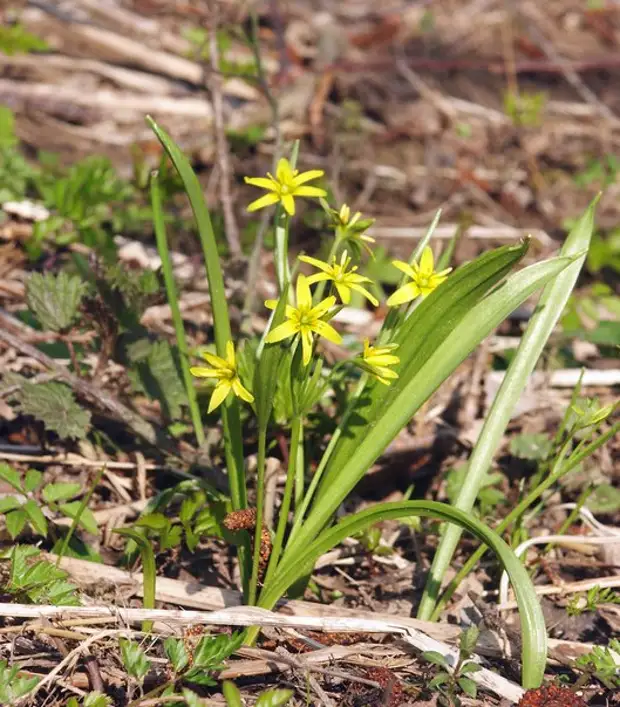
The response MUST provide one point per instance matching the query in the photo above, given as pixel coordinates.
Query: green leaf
(192, 699)
(39, 583)
(157, 372)
(470, 667)
(533, 629)
(468, 686)
(438, 680)
(435, 658)
(231, 694)
(176, 653)
(60, 491)
(15, 522)
(531, 446)
(9, 503)
(468, 640)
(134, 659)
(16, 39)
(8, 138)
(54, 404)
(36, 517)
(11, 477)
(274, 698)
(605, 499)
(149, 570)
(32, 480)
(212, 650)
(13, 685)
(55, 299)
(96, 699)
(87, 519)
(153, 521)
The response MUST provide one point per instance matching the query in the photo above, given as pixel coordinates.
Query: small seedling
(591, 600)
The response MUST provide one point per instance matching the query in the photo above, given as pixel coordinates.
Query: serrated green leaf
(212, 650)
(153, 521)
(36, 517)
(157, 372)
(11, 477)
(32, 480)
(87, 519)
(96, 699)
(13, 685)
(435, 658)
(55, 299)
(200, 676)
(9, 503)
(15, 522)
(274, 698)
(54, 404)
(59, 491)
(134, 659)
(176, 653)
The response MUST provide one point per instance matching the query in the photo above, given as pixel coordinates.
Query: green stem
(559, 470)
(283, 272)
(78, 515)
(260, 513)
(296, 435)
(175, 311)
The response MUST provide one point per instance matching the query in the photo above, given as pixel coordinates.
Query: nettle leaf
(55, 299)
(274, 698)
(15, 522)
(9, 503)
(32, 480)
(35, 516)
(60, 491)
(87, 519)
(13, 685)
(134, 659)
(11, 477)
(55, 405)
(531, 446)
(96, 699)
(156, 372)
(39, 582)
(176, 653)
(209, 654)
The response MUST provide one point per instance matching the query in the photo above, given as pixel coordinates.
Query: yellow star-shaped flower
(285, 186)
(423, 276)
(305, 320)
(225, 371)
(344, 280)
(377, 360)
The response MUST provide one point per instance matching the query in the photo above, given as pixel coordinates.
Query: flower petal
(219, 394)
(404, 267)
(427, 262)
(241, 392)
(362, 290)
(310, 191)
(307, 176)
(320, 264)
(289, 204)
(202, 372)
(322, 307)
(304, 297)
(404, 294)
(306, 345)
(344, 291)
(283, 331)
(214, 360)
(266, 200)
(230, 355)
(327, 331)
(284, 171)
(318, 277)
(262, 182)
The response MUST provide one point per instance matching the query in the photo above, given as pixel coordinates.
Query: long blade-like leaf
(533, 630)
(550, 306)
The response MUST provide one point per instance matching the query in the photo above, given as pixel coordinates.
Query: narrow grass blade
(149, 570)
(550, 306)
(533, 629)
(173, 301)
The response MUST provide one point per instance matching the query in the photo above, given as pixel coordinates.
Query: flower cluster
(308, 319)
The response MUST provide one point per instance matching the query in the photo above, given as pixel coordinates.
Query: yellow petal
(327, 331)
(306, 346)
(261, 182)
(202, 372)
(344, 291)
(404, 294)
(320, 264)
(283, 331)
(230, 354)
(404, 267)
(307, 176)
(266, 200)
(364, 291)
(310, 191)
(304, 297)
(382, 359)
(219, 394)
(289, 204)
(271, 303)
(284, 172)
(214, 360)
(241, 392)
(322, 307)
(427, 262)
(318, 277)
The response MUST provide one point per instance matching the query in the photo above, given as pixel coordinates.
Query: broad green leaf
(212, 650)
(533, 629)
(54, 404)
(274, 698)
(32, 480)
(605, 499)
(13, 684)
(36, 517)
(9, 503)
(96, 699)
(60, 491)
(55, 299)
(153, 521)
(231, 694)
(468, 686)
(12, 477)
(15, 522)
(435, 658)
(176, 653)
(531, 446)
(134, 659)
(86, 518)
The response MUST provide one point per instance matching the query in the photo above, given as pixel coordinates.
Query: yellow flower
(350, 229)
(423, 276)
(376, 361)
(305, 320)
(286, 185)
(225, 371)
(344, 280)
